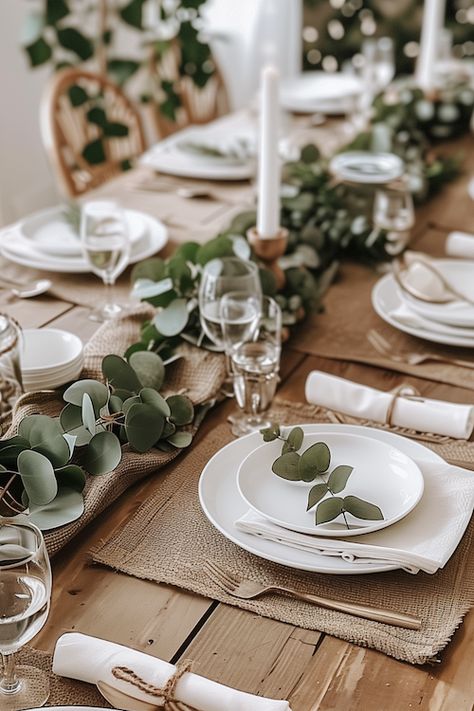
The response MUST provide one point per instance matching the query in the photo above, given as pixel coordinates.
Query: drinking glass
(384, 62)
(11, 381)
(394, 212)
(106, 247)
(219, 277)
(255, 364)
(25, 592)
(239, 315)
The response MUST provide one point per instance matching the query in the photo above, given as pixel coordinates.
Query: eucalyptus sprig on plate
(314, 463)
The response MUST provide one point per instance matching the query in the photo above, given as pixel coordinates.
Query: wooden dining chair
(90, 130)
(198, 105)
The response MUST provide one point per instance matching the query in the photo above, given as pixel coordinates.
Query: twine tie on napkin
(165, 694)
(404, 390)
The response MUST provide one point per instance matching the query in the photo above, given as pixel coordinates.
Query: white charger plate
(223, 505)
(382, 474)
(367, 167)
(309, 92)
(386, 299)
(154, 239)
(458, 272)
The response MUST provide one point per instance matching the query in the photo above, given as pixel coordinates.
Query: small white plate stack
(50, 358)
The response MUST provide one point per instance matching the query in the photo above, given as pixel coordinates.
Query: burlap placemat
(169, 537)
(63, 691)
(340, 333)
(199, 374)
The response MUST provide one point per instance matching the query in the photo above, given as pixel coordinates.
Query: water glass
(106, 247)
(11, 381)
(395, 213)
(25, 593)
(255, 364)
(219, 277)
(239, 315)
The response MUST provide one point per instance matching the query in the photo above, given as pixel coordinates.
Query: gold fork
(384, 348)
(249, 589)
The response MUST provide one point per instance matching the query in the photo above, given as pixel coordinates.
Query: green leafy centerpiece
(314, 463)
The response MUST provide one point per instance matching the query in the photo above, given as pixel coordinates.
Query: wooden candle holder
(270, 250)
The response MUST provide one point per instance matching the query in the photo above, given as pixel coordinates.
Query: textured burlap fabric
(169, 537)
(199, 374)
(62, 691)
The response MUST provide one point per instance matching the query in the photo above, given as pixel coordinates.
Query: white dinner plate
(382, 474)
(386, 299)
(20, 251)
(460, 273)
(367, 167)
(310, 91)
(223, 505)
(50, 231)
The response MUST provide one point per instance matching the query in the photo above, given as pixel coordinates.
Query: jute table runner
(199, 374)
(169, 537)
(340, 332)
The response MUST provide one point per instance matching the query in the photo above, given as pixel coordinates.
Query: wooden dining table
(233, 646)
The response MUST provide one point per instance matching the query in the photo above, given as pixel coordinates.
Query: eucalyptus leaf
(103, 454)
(270, 433)
(316, 493)
(362, 509)
(173, 319)
(168, 429)
(88, 414)
(180, 439)
(71, 443)
(144, 426)
(129, 403)
(295, 438)
(115, 404)
(329, 509)
(71, 422)
(146, 288)
(182, 410)
(149, 396)
(71, 476)
(45, 436)
(120, 374)
(149, 369)
(314, 460)
(97, 392)
(37, 475)
(286, 466)
(66, 507)
(339, 478)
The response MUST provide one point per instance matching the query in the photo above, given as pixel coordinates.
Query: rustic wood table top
(232, 646)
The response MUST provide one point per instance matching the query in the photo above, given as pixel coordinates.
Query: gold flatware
(120, 700)
(249, 589)
(451, 294)
(385, 348)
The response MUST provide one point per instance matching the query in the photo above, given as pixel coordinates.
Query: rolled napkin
(417, 413)
(460, 244)
(424, 540)
(89, 659)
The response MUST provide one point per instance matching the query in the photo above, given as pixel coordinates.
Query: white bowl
(41, 373)
(48, 349)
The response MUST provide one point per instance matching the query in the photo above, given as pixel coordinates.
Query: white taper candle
(433, 21)
(269, 169)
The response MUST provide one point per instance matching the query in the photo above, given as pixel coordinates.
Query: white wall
(26, 182)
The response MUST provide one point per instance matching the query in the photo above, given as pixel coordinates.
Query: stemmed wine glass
(25, 592)
(106, 246)
(219, 277)
(394, 212)
(239, 315)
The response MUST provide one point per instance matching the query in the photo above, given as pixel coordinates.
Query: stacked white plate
(330, 92)
(47, 240)
(50, 358)
(451, 323)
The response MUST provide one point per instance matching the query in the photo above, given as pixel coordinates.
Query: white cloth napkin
(460, 244)
(89, 659)
(424, 540)
(422, 414)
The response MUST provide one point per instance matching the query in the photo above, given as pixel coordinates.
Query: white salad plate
(223, 505)
(50, 231)
(21, 251)
(386, 299)
(382, 475)
(459, 273)
(311, 91)
(367, 167)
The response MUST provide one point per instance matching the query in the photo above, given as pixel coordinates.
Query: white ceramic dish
(49, 348)
(386, 299)
(382, 474)
(309, 92)
(22, 252)
(50, 232)
(223, 505)
(458, 272)
(71, 708)
(366, 167)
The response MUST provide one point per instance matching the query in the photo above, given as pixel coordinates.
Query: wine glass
(219, 277)
(239, 314)
(394, 212)
(255, 364)
(106, 247)
(25, 592)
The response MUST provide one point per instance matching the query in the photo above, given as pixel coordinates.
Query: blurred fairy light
(470, 14)
(411, 49)
(336, 29)
(314, 56)
(330, 63)
(310, 34)
(337, 4)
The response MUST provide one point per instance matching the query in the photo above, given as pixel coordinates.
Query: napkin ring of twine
(166, 694)
(404, 390)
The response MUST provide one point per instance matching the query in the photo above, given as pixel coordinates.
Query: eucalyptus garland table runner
(168, 539)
